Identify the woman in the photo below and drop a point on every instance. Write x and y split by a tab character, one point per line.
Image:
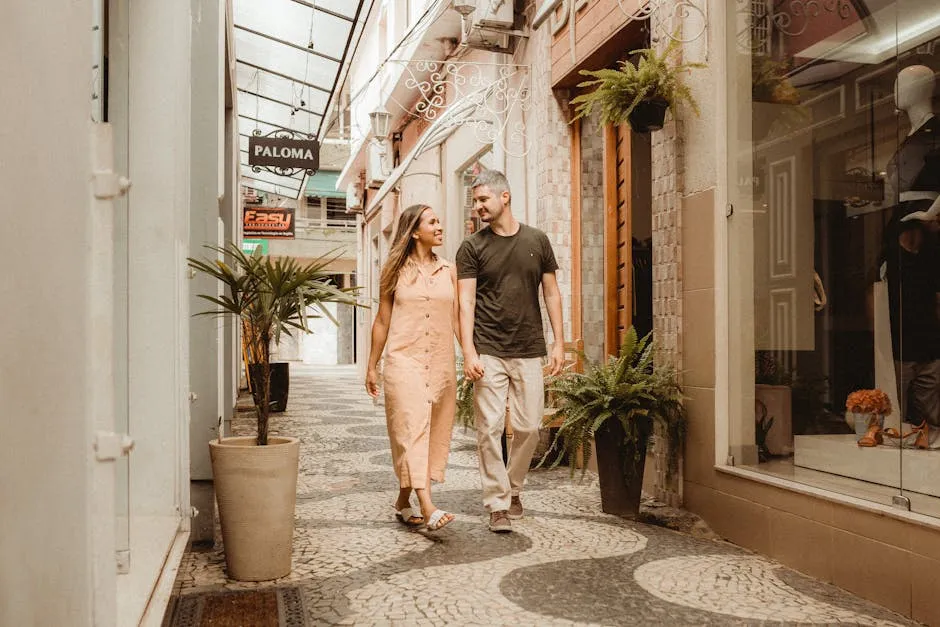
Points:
417	320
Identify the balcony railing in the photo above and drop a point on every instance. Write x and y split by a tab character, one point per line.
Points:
314	224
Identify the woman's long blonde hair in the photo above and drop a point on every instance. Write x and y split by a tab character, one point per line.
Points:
402	247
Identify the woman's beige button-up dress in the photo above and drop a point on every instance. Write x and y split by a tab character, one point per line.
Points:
420	374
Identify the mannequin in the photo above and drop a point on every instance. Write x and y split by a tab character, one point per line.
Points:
912	254
918	176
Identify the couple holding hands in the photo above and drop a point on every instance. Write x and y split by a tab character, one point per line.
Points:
490	303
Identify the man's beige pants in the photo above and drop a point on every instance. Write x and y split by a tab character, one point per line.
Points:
521	380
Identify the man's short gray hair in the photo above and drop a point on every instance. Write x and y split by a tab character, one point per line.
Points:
493	179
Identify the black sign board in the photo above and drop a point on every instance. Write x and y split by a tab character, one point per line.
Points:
284	153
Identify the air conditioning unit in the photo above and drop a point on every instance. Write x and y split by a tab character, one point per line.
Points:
486	22
354	198
494	14
376	164
253	197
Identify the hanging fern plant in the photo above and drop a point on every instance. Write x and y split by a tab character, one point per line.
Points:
627	387
654	81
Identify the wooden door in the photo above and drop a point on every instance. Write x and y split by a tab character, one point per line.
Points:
618	228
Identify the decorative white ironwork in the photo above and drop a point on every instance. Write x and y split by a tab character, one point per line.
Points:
493	96
683	21
790	18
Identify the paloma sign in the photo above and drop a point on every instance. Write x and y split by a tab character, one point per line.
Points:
268	222
284	152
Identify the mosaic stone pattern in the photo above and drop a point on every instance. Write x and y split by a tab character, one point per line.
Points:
566	563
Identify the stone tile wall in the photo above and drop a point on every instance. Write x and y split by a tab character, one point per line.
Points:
667	279
549	137
592	236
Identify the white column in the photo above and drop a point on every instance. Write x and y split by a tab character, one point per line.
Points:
55	557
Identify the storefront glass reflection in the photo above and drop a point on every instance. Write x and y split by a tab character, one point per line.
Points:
834	245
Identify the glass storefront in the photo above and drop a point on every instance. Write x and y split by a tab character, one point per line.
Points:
834	245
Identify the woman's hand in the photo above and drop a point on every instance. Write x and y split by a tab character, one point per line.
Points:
372	382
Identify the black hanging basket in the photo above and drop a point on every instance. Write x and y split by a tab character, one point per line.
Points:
280	384
648	115
620	468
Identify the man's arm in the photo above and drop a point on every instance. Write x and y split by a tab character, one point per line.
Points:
467	296
552	296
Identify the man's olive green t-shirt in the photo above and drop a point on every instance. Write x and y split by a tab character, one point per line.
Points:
508	269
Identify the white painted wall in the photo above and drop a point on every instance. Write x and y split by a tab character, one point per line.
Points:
158	238
207	109
56	518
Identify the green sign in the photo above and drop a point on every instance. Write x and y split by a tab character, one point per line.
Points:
249	246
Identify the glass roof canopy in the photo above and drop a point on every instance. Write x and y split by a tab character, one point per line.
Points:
289	57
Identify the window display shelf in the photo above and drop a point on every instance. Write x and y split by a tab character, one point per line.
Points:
884	465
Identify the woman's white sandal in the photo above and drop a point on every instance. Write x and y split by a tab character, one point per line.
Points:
405	516
438	520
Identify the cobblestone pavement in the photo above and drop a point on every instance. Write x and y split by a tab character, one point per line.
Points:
567	563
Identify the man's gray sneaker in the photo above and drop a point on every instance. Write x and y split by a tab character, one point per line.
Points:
515	508
499	521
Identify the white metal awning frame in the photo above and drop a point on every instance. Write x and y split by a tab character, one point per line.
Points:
289	57
472	109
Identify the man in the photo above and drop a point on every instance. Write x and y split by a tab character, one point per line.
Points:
499	270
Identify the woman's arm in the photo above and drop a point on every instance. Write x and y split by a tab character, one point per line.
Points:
379	336
453	278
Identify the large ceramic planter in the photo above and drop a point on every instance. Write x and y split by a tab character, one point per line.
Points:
256	488
620	469
280	383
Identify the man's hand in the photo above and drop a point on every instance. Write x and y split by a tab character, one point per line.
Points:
557	359
372	382
473	368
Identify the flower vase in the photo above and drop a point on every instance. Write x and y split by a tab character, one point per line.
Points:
864	420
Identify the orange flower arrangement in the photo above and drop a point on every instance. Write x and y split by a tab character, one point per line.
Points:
869	402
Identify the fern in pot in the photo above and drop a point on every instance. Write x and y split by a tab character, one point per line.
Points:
638	93
616	404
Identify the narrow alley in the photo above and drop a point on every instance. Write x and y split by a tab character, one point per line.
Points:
566	563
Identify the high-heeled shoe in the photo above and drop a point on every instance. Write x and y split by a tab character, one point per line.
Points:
923	436
872	437
920	435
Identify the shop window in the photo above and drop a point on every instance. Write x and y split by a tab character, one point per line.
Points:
336	213
471	219
834	252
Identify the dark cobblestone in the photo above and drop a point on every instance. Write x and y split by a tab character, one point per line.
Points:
567	562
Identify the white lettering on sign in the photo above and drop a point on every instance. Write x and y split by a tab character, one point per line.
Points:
283	152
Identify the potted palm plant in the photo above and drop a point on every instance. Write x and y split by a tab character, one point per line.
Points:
256	477
616	404
638	93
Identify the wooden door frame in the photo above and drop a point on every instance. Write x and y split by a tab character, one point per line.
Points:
611	314
577	299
